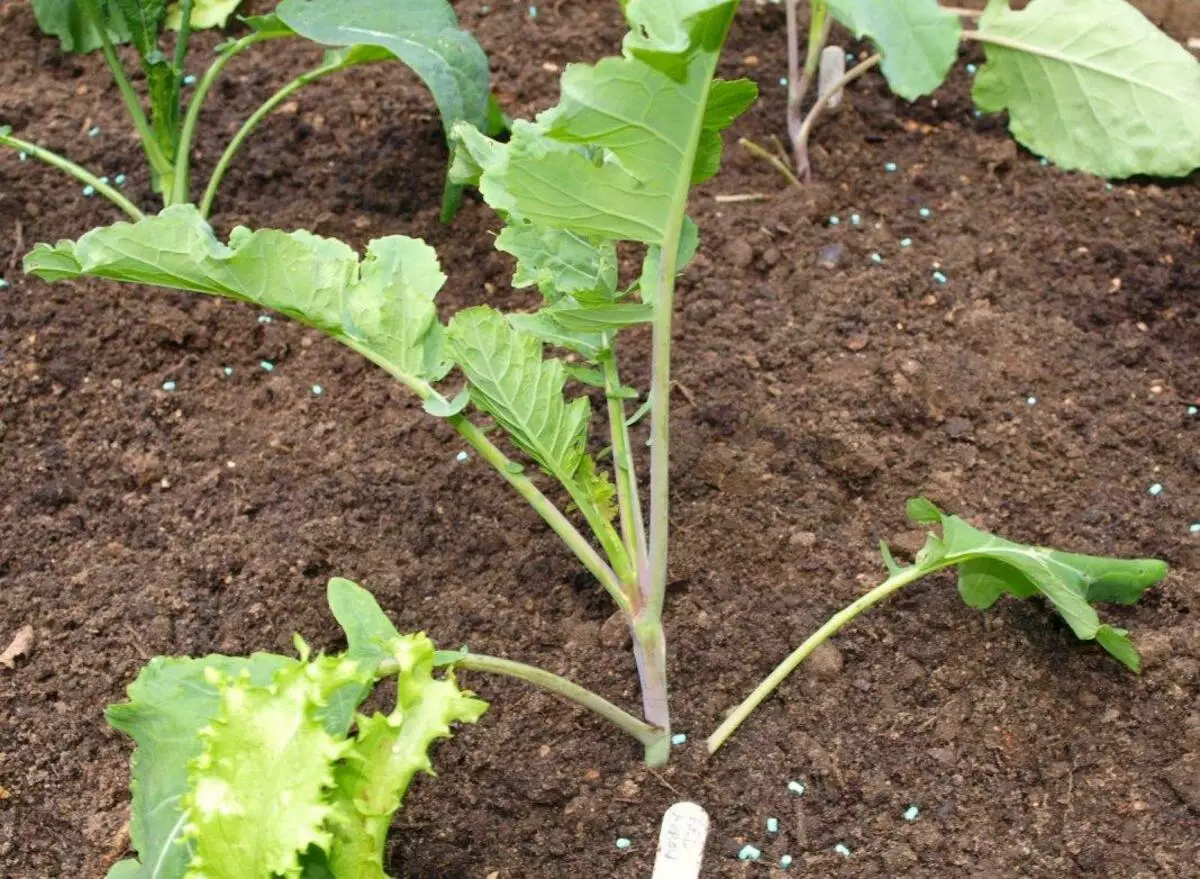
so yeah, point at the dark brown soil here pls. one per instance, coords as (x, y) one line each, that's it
(812, 402)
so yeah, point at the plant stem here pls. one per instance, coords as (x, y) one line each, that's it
(514, 475)
(187, 132)
(268, 106)
(892, 584)
(185, 34)
(79, 173)
(800, 143)
(633, 528)
(798, 83)
(159, 162)
(767, 156)
(654, 739)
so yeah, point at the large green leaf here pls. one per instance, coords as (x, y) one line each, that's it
(424, 34)
(169, 703)
(615, 158)
(990, 567)
(382, 305)
(1093, 85)
(917, 38)
(559, 262)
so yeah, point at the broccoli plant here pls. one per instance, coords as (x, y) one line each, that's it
(1089, 84)
(613, 162)
(989, 568)
(424, 34)
(262, 765)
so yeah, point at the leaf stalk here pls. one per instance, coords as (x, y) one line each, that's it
(77, 171)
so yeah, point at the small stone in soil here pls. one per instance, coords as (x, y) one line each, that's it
(855, 220)
(971, 68)
(830, 256)
(833, 221)
(168, 386)
(877, 259)
(1031, 401)
(190, 79)
(3, 284)
(906, 242)
(1194, 528)
(462, 457)
(318, 390)
(749, 853)
(1193, 410)
(785, 862)
(265, 318)
(228, 370)
(825, 662)
(925, 213)
(266, 365)
(94, 131)
(939, 277)
(890, 166)
(89, 191)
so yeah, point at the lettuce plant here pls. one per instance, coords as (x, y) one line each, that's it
(1090, 84)
(613, 162)
(262, 765)
(424, 34)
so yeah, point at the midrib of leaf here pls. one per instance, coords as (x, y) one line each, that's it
(168, 844)
(1062, 58)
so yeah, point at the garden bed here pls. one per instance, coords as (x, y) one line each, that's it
(1041, 391)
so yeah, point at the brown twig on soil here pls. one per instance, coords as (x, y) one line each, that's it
(18, 246)
(741, 197)
(769, 157)
(800, 143)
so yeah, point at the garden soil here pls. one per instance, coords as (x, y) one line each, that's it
(1040, 391)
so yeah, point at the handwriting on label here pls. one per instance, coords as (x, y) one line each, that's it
(681, 842)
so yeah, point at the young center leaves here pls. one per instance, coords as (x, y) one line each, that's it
(1092, 84)
(990, 567)
(258, 766)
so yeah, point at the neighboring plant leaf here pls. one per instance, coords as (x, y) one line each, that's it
(512, 382)
(917, 38)
(543, 325)
(1092, 85)
(169, 703)
(369, 635)
(727, 100)
(127, 869)
(382, 306)
(990, 567)
(76, 32)
(205, 13)
(689, 241)
(424, 34)
(385, 754)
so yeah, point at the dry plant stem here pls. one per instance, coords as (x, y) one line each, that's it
(889, 586)
(800, 144)
(770, 158)
(79, 173)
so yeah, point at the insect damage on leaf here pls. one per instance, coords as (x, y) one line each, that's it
(990, 567)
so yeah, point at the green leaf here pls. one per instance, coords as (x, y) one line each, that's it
(424, 34)
(387, 751)
(205, 13)
(599, 488)
(614, 159)
(169, 703)
(512, 382)
(917, 38)
(75, 29)
(257, 793)
(600, 318)
(544, 327)
(439, 407)
(1092, 85)
(990, 567)
(727, 100)
(382, 306)
(559, 262)
(126, 869)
